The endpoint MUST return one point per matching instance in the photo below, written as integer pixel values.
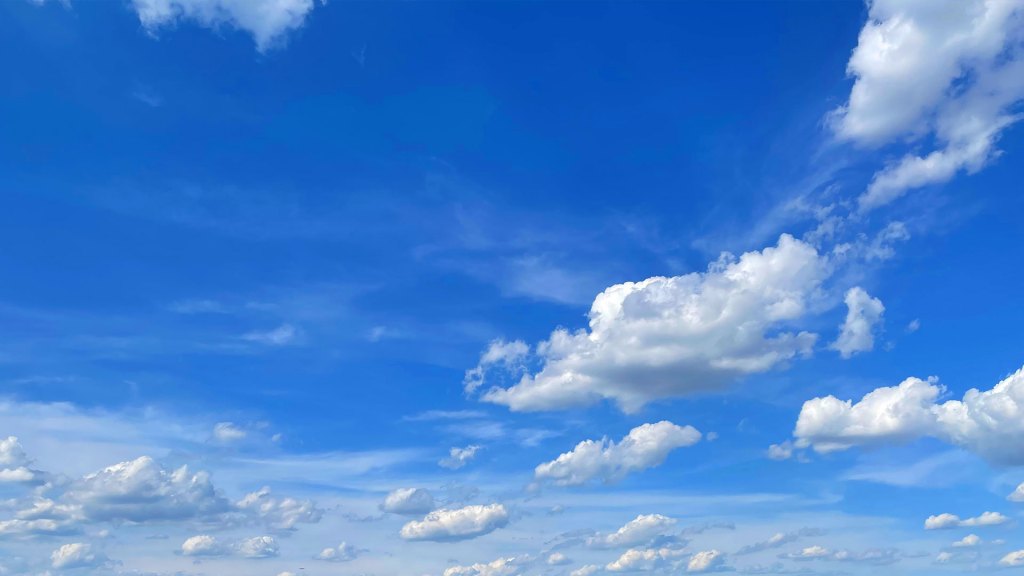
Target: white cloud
(783, 451)
(667, 337)
(280, 513)
(459, 524)
(267, 21)
(705, 561)
(141, 490)
(228, 432)
(508, 356)
(281, 336)
(77, 555)
(643, 559)
(1013, 559)
(557, 559)
(1017, 495)
(412, 501)
(777, 540)
(644, 447)
(587, 570)
(640, 530)
(203, 545)
(343, 552)
(864, 313)
(945, 520)
(501, 567)
(990, 423)
(14, 463)
(874, 557)
(258, 547)
(947, 69)
(458, 457)
(968, 541)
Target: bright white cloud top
(950, 70)
(458, 524)
(990, 423)
(644, 447)
(675, 336)
(857, 334)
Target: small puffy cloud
(343, 552)
(458, 524)
(281, 336)
(228, 432)
(782, 451)
(557, 559)
(863, 315)
(458, 457)
(644, 559)
(203, 545)
(969, 541)
(705, 561)
(1015, 558)
(258, 547)
(667, 337)
(507, 356)
(77, 555)
(1017, 495)
(280, 513)
(641, 530)
(989, 423)
(946, 520)
(510, 566)
(644, 447)
(412, 501)
(944, 71)
(267, 21)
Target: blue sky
(503, 289)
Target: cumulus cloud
(458, 524)
(412, 501)
(946, 70)
(644, 447)
(969, 541)
(990, 423)
(644, 559)
(267, 21)
(945, 520)
(258, 547)
(343, 552)
(705, 561)
(141, 490)
(1017, 495)
(14, 463)
(77, 555)
(857, 334)
(501, 567)
(280, 513)
(203, 545)
(557, 559)
(781, 451)
(1013, 559)
(458, 457)
(641, 530)
(673, 336)
(507, 356)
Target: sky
(511, 288)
